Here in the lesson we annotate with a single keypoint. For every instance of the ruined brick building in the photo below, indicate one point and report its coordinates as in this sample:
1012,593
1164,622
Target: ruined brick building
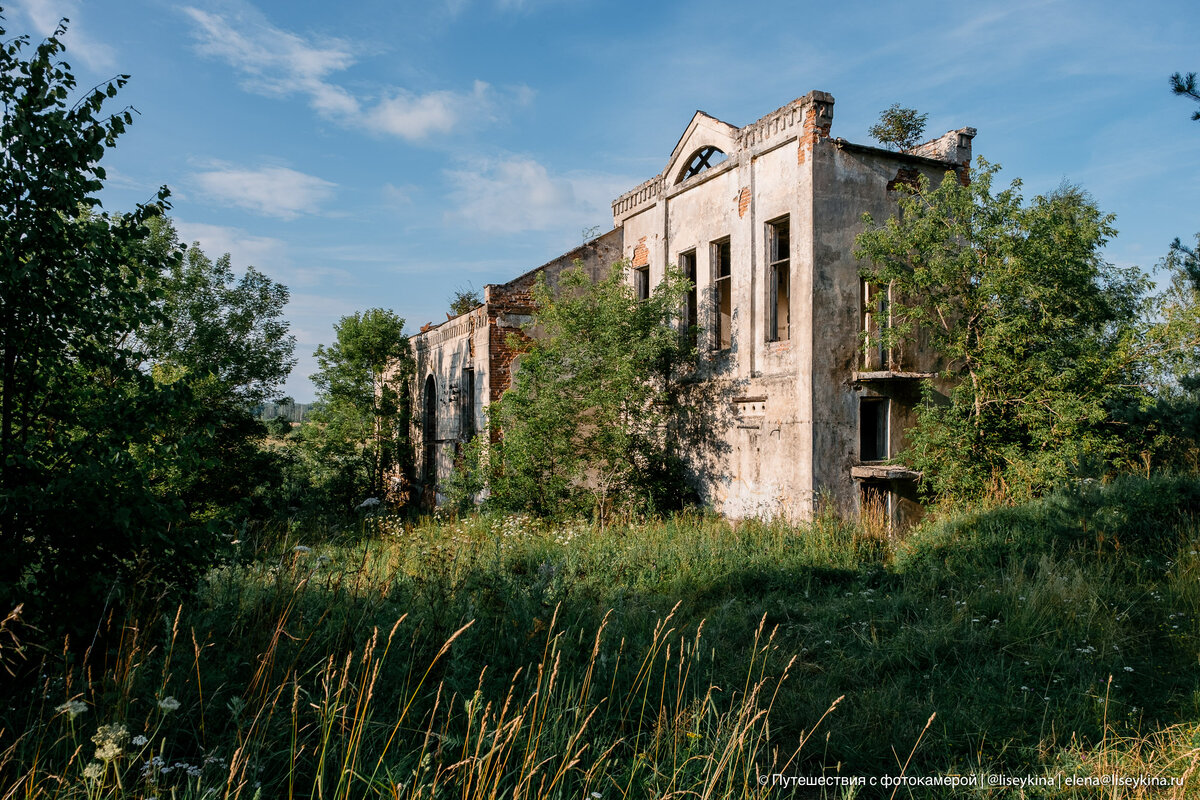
762,218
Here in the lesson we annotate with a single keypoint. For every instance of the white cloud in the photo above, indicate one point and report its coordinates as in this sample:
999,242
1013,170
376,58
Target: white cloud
262,252
276,62
415,117
273,191
517,194
44,16
280,63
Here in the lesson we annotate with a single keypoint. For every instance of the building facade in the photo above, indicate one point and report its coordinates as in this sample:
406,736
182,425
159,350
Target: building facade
807,403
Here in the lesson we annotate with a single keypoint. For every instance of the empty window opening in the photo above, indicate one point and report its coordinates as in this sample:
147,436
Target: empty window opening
468,403
702,159
876,504
687,265
779,306
876,318
429,430
723,282
873,429
641,282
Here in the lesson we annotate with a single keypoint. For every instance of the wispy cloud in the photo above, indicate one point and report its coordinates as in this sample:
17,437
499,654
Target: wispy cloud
413,117
272,191
276,62
516,194
44,16
263,252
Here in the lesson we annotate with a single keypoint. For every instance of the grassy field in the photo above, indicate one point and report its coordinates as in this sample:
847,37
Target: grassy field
506,657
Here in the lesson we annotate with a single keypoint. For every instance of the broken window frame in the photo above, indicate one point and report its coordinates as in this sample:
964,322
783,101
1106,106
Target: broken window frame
721,260
701,161
691,306
874,429
875,319
778,236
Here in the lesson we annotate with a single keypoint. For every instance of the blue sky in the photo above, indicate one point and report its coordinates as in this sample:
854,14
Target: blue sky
383,154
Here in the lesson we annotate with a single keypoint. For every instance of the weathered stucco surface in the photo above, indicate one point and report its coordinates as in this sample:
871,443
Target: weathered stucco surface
796,382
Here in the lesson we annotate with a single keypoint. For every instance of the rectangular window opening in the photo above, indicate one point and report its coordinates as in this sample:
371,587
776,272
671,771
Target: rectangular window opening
779,304
641,282
723,283
876,318
875,504
873,429
691,323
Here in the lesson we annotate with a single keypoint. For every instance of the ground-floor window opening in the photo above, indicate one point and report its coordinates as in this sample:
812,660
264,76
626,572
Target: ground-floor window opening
429,430
468,403
875,508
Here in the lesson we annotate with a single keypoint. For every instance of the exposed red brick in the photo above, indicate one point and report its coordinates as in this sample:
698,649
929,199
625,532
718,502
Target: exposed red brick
906,177
641,253
502,353
817,122
743,201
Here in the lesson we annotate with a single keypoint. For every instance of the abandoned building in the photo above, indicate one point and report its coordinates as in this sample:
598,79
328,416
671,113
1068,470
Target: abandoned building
762,219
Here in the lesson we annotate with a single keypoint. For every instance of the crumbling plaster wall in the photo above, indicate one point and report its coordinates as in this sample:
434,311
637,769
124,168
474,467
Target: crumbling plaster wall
482,342
848,182
445,353
784,426
761,464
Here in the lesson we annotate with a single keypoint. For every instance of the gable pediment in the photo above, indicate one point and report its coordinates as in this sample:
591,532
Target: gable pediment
705,140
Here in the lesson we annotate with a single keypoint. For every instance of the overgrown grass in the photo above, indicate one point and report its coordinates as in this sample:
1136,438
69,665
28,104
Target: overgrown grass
501,657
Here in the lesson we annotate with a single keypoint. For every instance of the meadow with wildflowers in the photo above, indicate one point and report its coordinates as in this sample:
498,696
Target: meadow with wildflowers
503,656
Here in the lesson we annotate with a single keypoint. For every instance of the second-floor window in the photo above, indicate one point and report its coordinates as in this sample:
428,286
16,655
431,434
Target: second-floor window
641,282
722,260
873,429
779,307
687,265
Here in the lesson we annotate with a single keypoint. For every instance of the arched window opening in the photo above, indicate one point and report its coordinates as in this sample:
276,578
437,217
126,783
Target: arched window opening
429,430
704,158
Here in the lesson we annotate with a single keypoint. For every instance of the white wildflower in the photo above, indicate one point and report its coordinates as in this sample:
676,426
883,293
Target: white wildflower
168,704
72,708
370,502
110,741
93,771
301,550
140,741
1129,669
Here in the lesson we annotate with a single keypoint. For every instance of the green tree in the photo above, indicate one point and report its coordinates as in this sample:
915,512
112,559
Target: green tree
464,300
214,323
1185,86
584,426
1041,337
361,417
224,339
898,128
81,513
